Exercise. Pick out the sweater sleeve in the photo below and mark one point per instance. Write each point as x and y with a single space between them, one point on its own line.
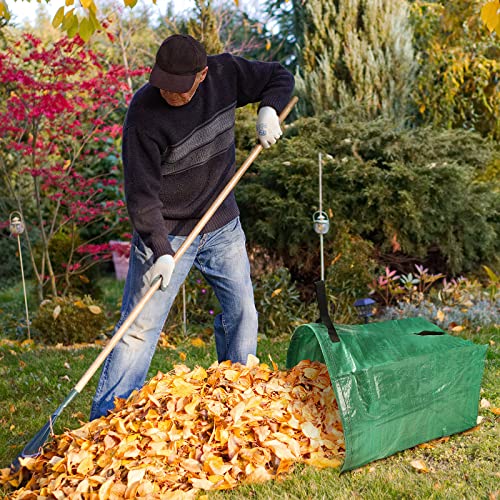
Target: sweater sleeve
266 82
141 164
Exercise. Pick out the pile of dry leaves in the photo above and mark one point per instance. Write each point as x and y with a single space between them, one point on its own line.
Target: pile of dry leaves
193 429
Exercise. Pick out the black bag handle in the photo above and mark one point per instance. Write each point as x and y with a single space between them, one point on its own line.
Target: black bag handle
324 316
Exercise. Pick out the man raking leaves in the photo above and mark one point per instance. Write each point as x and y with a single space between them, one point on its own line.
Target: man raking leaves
178 154
189 161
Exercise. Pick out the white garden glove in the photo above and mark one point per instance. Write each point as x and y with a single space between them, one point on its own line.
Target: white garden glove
164 267
268 126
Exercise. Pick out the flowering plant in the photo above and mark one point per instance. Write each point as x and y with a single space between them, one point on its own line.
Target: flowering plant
57 127
390 287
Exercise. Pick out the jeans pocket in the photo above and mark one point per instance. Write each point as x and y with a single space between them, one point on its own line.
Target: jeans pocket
233 227
237 229
141 251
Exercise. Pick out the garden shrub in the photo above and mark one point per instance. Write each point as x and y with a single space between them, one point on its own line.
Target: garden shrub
389 288
10 268
68 320
13 313
51 175
201 308
457 83
348 273
263 261
245 136
278 303
354 51
85 283
413 194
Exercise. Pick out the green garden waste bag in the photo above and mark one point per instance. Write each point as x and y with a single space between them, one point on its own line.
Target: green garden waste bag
397 383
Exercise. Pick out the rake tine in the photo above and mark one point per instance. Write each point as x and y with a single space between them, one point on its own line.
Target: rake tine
34 447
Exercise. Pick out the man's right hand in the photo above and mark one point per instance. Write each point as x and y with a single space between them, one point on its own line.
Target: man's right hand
268 126
164 267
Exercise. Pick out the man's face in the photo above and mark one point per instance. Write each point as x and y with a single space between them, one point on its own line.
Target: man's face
181 98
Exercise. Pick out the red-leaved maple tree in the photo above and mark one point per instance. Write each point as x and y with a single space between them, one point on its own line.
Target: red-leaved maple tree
60 129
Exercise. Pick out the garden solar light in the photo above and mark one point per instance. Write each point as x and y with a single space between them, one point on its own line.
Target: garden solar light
321 226
364 308
16 227
321 222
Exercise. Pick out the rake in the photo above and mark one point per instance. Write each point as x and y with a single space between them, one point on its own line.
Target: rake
34 447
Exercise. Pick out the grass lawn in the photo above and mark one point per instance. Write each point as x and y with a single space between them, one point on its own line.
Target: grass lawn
34 381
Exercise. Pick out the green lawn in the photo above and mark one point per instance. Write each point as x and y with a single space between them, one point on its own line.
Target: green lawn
34 381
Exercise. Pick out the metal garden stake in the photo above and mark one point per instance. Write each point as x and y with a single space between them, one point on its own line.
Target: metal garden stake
320 219
16 227
321 226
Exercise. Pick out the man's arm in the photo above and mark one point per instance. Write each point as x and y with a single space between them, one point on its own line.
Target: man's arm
266 82
272 85
142 163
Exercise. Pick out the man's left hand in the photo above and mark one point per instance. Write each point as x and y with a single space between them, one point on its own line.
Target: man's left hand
268 126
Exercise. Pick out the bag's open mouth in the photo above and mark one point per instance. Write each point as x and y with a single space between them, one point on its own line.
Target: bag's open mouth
398 383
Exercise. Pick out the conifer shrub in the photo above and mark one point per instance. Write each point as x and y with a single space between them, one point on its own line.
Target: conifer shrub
412 194
354 51
68 320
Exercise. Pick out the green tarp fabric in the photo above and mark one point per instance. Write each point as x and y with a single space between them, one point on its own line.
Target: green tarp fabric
395 388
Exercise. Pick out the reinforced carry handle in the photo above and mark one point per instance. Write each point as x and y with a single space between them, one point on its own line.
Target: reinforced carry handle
324 316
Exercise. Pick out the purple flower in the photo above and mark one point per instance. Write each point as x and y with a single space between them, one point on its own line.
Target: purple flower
198 281
211 311
203 290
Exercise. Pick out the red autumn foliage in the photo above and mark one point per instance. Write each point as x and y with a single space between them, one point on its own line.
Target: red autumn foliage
60 124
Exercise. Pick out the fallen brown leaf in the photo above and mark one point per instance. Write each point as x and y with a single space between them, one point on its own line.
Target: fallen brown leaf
472 429
420 466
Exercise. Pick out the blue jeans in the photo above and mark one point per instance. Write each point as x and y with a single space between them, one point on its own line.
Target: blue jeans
222 259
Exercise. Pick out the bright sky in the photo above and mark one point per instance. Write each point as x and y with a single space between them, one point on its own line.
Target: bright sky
23 10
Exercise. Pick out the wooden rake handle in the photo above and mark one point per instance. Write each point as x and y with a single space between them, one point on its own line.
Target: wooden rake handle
180 252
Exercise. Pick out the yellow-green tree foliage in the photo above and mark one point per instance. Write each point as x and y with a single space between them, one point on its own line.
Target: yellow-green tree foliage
84 17
355 52
205 27
458 82
490 15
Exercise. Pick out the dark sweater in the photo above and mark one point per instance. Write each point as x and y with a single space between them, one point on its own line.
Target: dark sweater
178 159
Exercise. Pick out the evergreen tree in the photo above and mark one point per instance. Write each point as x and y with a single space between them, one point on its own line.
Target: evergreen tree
283 31
354 52
457 84
205 27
